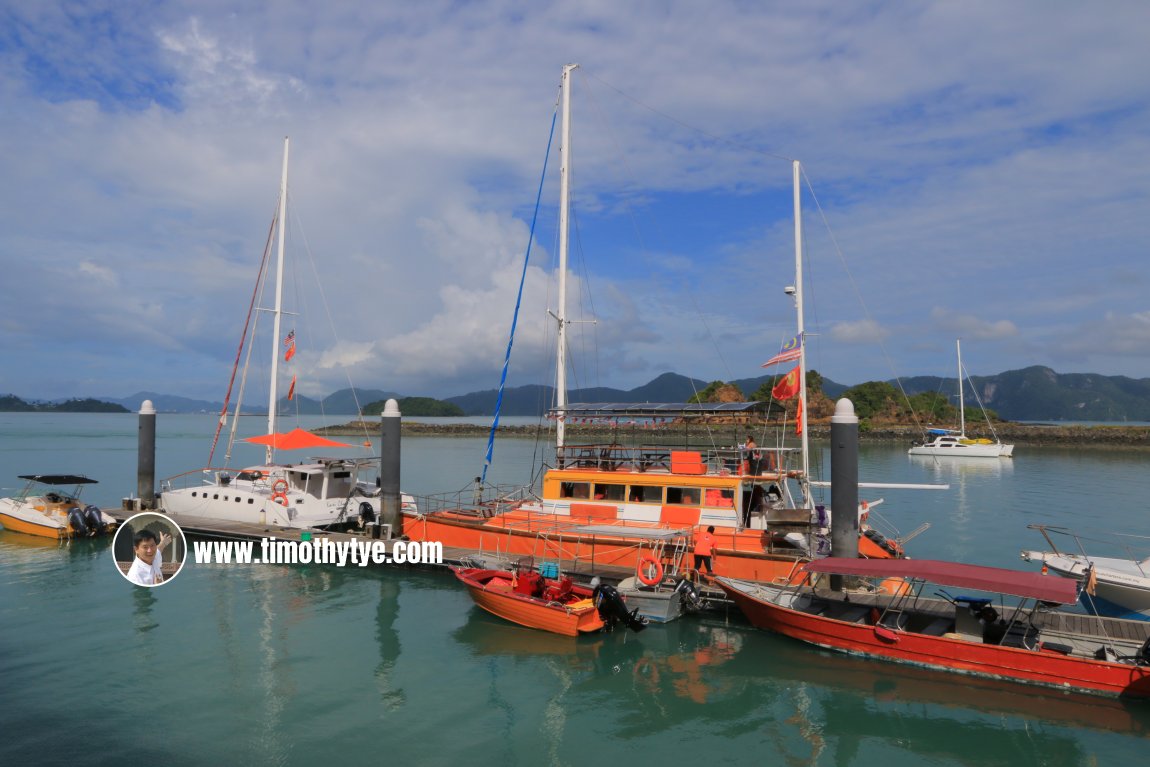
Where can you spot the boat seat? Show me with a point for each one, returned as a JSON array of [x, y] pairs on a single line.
[[852, 614], [1017, 635], [938, 627]]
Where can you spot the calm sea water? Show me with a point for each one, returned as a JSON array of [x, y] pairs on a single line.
[[271, 665]]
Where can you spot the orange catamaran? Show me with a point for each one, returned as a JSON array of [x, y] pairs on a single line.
[[622, 505]]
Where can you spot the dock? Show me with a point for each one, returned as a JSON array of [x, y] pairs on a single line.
[[211, 529]]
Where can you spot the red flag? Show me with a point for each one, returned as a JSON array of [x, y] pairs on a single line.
[[788, 386], [799, 418], [289, 353], [291, 389]]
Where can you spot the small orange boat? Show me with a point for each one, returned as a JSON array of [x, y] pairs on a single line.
[[529, 599]]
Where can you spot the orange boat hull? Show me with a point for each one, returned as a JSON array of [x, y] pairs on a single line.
[[738, 554], [494, 592], [31, 528]]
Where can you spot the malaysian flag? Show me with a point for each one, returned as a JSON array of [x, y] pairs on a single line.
[[791, 350]]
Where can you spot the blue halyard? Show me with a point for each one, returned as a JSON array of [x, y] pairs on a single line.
[[518, 301]]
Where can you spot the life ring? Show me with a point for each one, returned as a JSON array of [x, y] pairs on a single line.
[[280, 498], [280, 486], [641, 572]]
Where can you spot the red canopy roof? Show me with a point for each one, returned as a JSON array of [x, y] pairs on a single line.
[[296, 439], [1048, 588]]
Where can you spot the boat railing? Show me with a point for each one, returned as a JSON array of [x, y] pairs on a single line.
[[212, 477], [723, 461], [487, 501]]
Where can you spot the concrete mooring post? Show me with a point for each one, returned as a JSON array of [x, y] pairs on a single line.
[[844, 484], [390, 506], [146, 457]]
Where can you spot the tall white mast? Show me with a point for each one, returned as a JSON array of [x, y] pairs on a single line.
[[279, 302], [561, 311], [804, 483], [961, 407]]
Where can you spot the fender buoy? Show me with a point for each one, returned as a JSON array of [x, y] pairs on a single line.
[[280, 486], [893, 586], [650, 580], [280, 498]]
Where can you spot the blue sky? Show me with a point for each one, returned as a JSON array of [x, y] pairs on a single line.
[[981, 171]]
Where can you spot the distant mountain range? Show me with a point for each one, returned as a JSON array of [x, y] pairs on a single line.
[[1031, 394]]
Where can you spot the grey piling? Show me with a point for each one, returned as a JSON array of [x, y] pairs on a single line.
[[844, 484], [146, 457], [390, 503]]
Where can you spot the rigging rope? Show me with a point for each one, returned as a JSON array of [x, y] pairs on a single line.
[[518, 301], [243, 340]]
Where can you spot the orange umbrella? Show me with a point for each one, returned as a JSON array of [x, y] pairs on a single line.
[[296, 439]]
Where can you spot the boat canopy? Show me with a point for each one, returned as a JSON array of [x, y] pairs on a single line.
[[296, 439], [1048, 588], [941, 432], [59, 479], [657, 409]]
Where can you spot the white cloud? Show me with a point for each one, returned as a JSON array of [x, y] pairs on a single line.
[[862, 331], [971, 326]]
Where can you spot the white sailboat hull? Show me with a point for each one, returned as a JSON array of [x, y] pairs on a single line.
[[950, 446]]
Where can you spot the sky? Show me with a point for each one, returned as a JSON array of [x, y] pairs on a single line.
[[971, 170]]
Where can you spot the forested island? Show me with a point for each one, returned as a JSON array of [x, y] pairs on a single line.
[[10, 403]]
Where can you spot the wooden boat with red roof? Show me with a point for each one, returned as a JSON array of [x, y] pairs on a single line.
[[1027, 640]]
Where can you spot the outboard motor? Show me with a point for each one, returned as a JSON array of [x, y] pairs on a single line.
[[94, 519], [76, 520], [366, 514], [613, 610], [689, 596]]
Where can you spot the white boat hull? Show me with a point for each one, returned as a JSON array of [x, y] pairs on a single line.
[[957, 449], [1121, 588]]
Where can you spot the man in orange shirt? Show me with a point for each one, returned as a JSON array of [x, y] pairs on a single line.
[[704, 547]]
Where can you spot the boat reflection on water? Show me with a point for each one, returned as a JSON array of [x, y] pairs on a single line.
[[725, 672]]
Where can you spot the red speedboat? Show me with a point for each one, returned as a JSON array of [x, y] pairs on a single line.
[[1010, 630]]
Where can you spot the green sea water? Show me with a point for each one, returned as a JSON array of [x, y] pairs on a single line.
[[283, 665]]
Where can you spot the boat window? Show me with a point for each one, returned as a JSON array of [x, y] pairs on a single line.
[[575, 490], [723, 497], [683, 496], [610, 492], [645, 494], [339, 485]]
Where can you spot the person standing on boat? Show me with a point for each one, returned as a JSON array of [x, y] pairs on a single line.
[[146, 569], [752, 454], [704, 548]]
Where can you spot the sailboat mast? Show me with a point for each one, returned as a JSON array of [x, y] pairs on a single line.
[[561, 311], [961, 406], [804, 483], [279, 302]]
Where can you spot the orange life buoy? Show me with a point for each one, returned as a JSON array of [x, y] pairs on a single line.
[[650, 580], [280, 498], [280, 486]]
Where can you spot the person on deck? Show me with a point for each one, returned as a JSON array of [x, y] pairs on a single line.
[[704, 549], [752, 453]]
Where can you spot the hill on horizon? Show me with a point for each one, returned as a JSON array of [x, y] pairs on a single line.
[[1035, 393]]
